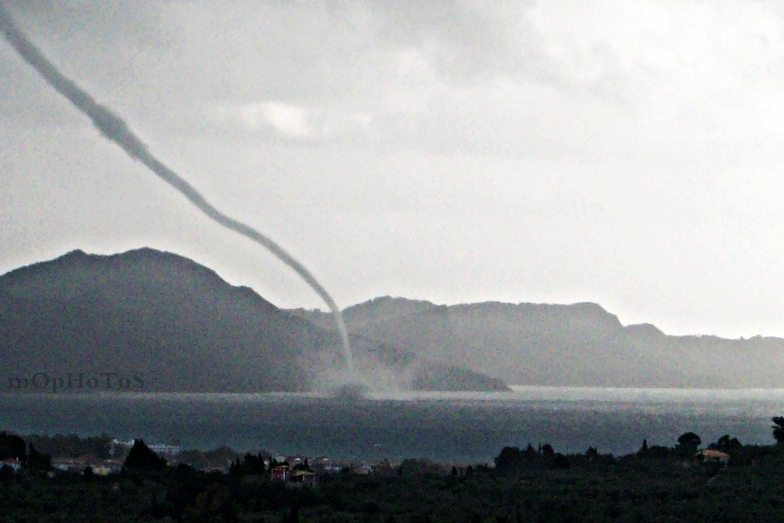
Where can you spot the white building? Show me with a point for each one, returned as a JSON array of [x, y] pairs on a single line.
[[12, 463]]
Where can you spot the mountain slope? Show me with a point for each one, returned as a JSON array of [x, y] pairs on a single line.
[[566, 345], [180, 327]]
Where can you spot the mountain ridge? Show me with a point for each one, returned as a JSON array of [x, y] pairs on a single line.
[[184, 328], [580, 344]]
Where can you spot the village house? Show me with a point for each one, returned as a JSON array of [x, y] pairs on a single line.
[[713, 456], [12, 463], [325, 466], [101, 467], [107, 467], [294, 477], [303, 478], [121, 448], [74, 464], [363, 468], [280, 473]]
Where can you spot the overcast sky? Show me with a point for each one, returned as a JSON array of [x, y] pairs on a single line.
[[625, 153]]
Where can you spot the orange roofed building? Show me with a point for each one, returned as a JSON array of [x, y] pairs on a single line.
[[713, 456]]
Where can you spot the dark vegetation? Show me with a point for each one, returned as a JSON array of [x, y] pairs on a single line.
[[531, 484], [60, 445]]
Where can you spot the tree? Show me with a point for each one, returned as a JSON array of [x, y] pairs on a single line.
[[141, 458], [509, 459], [212, 506], [726, 444], [657, 452], [689, 442], [12, 446], [254, 465], [560, 461], [778, 429], [37, 461]]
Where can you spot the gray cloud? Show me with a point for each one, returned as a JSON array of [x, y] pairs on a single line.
[[470, 41], [312, 54]]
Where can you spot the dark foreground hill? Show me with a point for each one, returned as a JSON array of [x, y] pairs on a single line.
[[565, 345], [152, 321]]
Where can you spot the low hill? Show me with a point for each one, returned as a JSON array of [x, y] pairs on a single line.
[[150, 321]]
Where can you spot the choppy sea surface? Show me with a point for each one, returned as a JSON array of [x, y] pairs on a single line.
[[448, 427]]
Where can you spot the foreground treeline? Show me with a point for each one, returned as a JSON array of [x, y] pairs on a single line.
[[655, 484]]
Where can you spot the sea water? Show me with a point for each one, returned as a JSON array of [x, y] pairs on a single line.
[[447, 427]]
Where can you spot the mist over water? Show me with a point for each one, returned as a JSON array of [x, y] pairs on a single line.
[[116, 129]]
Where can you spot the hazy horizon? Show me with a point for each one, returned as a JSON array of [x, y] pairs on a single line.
[[550, 152]]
